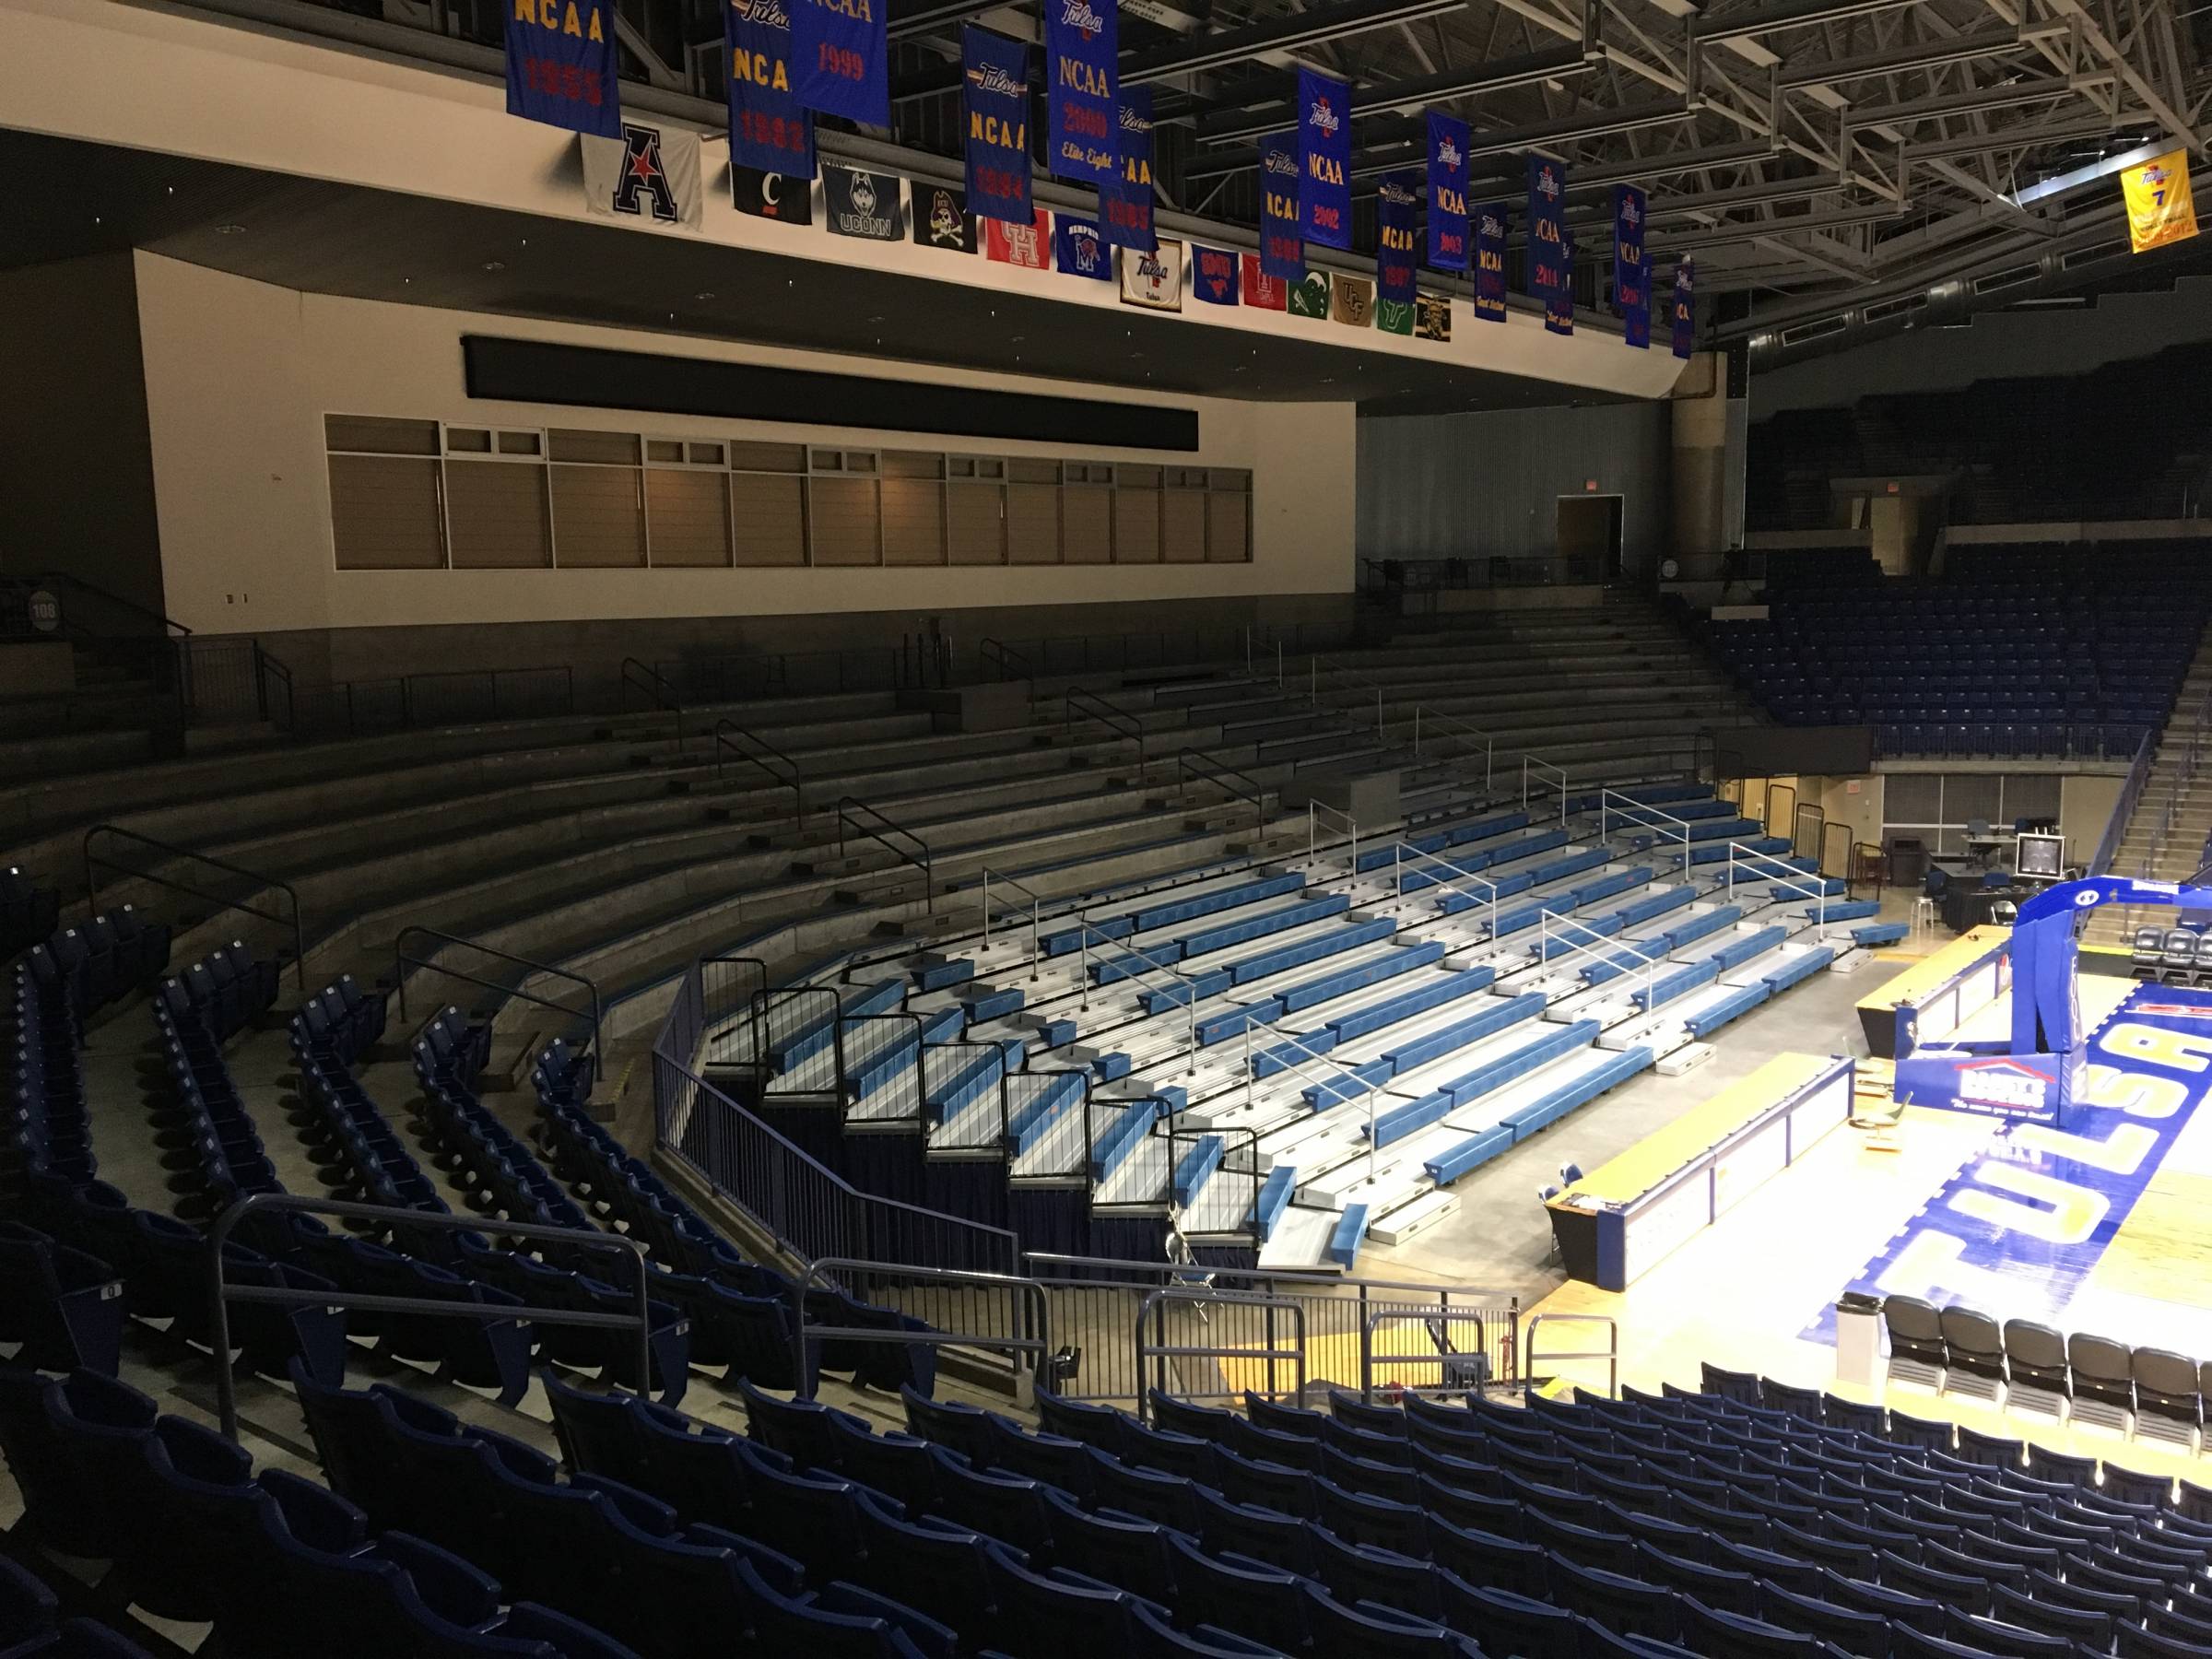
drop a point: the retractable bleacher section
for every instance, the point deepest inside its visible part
(2014, 651)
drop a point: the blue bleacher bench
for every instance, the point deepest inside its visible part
(1343, 1242)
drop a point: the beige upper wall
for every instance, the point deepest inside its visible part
(238, 375)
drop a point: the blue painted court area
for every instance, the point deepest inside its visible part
(2020, 1228)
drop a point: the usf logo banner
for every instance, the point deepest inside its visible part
(2160, 208)
(1394, 316)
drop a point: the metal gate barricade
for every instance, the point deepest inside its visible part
(1026, 1335)
(1155, 1353)
(1610, 1353)
(1458, 1350)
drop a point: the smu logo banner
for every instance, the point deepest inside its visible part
(767, 129)
(839, 52)
(1079, 247)
(1632, 271)
(649, 174)
(994, 100)
(1447, 192)
(1324, 154)
(1282, 249)
(1394, 255)
(1489, 262)
(1214, 275)
(1125, 202)
(1685, 331)
(1083, 88)
(561, 62)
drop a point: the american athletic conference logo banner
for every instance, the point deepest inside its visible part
(995, 98)
(1324, 154)
(1282, 249)
(1394, 241)
(1489, 262)
(1447, 192)
(561, 65)
(1125, 201)
(840, 53)
(769, 130)
(648, 174)
(1685, 331)
(1083, 88)
(1631, 269)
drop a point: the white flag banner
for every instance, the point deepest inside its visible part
(648, 174)
(1153, 279)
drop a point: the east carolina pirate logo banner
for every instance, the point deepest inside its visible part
(1686, 329)
(942, 219)
(1489, 262)
(1083, 87)
(1432, 316)
(1394, 254)
(1324, 154)
(1214, 275)
(994, 103)
(839, 51)
(1153, 279)
(1081, 249)
(1447, 192)
(1125, 200)
(1263, 292)
(1023, 245)
(561, 62)
(2159, 207)
(1631, 270)
(1282, 249)
(648, 174)
(1351, 298)
(771, 195)
(859, 203)
(769, 130)
(1309, 295)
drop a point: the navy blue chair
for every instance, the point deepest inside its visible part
(1247, 1480)
(1160, 1640)
(1167, 1499)
(1186, 1418)
(1362, 1518)
(1058, 1612)
(1587, 1545)
(1728, 1592)
(1854, 1632)
(1115, 1549)
(1628, 1607)
(597, 1432)
(64, 1307)
(1356, 1574)
(2093, 1630)
(1077, 1420)
(1510, 1623)
(1905, 1642)
(2137, 1641)
(1895, 1606)
(1486, 1560)
(1283, 1420)
(1257, 1601)
(2017, 1642)
(899, 1465)
(1372, 1631)
(934, 1566)
(1719, 1634)
(1279, 1540)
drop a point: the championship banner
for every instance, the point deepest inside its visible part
(1214, 275)
(771, 195)
(1686, 327)
(1082, 87)
(2160, 209)
(1309, 295)
(1489, 262)
(1631, 270)
(1547, 261)
(647, 175)
(1351, 298)
(1125, 200)
(562, 64)
(1432, 316)
(942, 219)
(1395, 258)
(840, 55)
(1081, 249)
(1282, 249)
(769, 129)
(1447, 192)
(1324, 157)
(1394, 316)
(1023, 245)
(1153, 279)
(994, 100)
(859, 203)
(1263, 292)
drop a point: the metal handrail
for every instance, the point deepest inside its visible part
(93, 862)
(1537, 764)
(999, 655)
(1036, 1311)
(1091, 706)
(658, 686)
(1190, 986)
(1219, 774)
(1153, 1307)
(1315, 811)
(221, 1295)
(1610, 1353)
(1398, 854)
(1545, 918)
(1333, 1086)
(169, 625)
(726, 729)
(1816, 893)
(401, 961)
(1460, 727)
(1035, 916)
(855, 814)
(1628, 806)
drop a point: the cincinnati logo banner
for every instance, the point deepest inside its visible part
(561, 62)
(1082, 88)
(1282, 248)
(1325, 160)
(771, 195)
(1447, 192)
(650, 174)
(1125, 201)
(994, 103)
(841, 53)
(769, 128)
(1631, 268)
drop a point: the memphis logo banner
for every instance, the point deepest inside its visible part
(769, 129)
(1079, 247)
(561, 62)
(1082, 88)
(994, 103)
(2160, 210)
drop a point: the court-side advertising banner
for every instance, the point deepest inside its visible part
(1214, 275)
(1631, 270)
(1447, 192)
(1263, 292)
(1489, 262)
(1082, 88)
(858, 202)
(562, 64)
(769, 128)
(1282, 249)
(2160, 209)
(1081, 248)
(1395, 258)
(1153, 279)
(1125, 200)
(994, 99)
(647, 173)
(1324, 154)
(1547, 256)
(841, 59)
(1686, 328)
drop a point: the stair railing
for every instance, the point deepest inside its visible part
(763, 757)
(402, 962)
(1242, 785)
(288, 917)
(861, 820)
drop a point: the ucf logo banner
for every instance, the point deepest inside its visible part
(650, 173)
(1352, 299)
(2160, 208)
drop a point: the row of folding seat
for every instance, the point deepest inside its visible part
(2170, 955)
(202, 1116)
(343, 1018)
(31, 1626)
(503, 1176)
(28, 911)
(109, 957)
(59, 1308)
(230, 988)
(46, 1123)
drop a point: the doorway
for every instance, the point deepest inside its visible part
(1589, 537)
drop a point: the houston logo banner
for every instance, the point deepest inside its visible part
(561, 62)
(769, 128)
(1023, 245)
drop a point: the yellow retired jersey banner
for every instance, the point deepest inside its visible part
(2158, 208)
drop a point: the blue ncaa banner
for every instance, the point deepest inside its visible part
(561, 65)
(769, 130)
(840, 55)
(1125, 201)
(1324, 154)
(1547, 227)
(1447, 192)
(1631, 270)
(1079, 248)
(1395, 258)
(1282, 249)
(1489, 262)
(995, 95)
(1558, 304)
(1685, 278)
(1083, 88)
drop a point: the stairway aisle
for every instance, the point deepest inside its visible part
(2166, 834)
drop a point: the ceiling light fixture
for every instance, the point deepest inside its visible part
(704, 294)
(494, 265)
(229, 229)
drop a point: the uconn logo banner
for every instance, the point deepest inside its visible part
(769, 130)
(562, 64)
(1324, 149)
(1083, 88)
